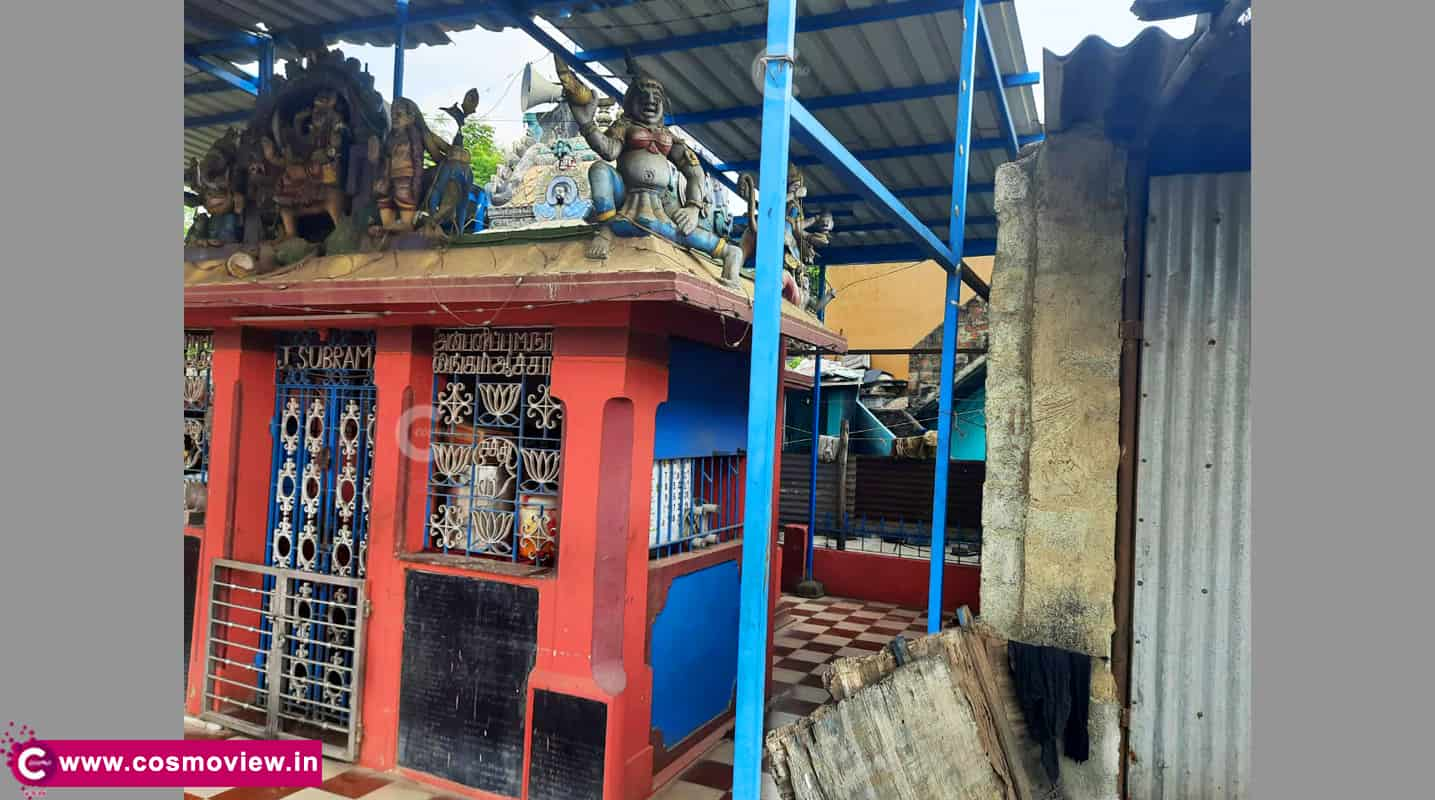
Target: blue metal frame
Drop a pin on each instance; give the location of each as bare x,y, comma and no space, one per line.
401,21
819,290
932,149
931,223
855,99
914,191
225,71
752,33
984,37
848,167
904,251
971,16
266,64
227,118
762,422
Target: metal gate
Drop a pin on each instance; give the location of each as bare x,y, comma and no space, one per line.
1191,616
296,625
298,631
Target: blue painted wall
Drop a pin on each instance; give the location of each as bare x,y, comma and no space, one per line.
969,429
694,651
706,411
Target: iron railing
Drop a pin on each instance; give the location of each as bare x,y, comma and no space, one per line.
695,503
903,538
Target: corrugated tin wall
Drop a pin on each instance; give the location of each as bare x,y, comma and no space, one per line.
1191,678
895,489
797,475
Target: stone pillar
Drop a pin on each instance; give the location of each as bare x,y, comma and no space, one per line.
1053,402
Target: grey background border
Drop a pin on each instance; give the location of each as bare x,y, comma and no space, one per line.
90,576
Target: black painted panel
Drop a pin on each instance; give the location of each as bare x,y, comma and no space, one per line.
191,585
468,648
569,741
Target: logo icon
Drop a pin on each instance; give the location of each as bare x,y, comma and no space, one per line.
759,78
30,761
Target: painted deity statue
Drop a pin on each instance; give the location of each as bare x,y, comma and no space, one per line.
801,237
398,187
449,203
637,196
217,184
310,163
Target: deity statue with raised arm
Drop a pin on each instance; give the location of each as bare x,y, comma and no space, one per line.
640,194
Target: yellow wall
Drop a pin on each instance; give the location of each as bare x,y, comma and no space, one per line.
892,305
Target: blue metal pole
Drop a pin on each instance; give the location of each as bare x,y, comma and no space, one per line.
266,64
971,10
401,24
816,433
752,663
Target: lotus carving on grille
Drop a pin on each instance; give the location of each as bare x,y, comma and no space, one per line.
196,390
452,461
492,530
193,442
500,400
541,466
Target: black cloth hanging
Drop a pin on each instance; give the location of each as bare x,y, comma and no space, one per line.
1053,687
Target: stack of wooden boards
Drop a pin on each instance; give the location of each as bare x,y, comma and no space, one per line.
944,726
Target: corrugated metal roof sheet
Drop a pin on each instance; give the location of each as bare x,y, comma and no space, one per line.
1191,663
1186,100
1112,88
212,20
874,56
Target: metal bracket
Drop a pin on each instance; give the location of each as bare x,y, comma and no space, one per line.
368,607
1131,330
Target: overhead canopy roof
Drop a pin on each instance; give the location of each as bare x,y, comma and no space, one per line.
881,76
222,30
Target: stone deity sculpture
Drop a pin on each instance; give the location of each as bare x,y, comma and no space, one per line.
399,160
217,181
310,179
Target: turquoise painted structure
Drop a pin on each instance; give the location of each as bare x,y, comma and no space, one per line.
969,428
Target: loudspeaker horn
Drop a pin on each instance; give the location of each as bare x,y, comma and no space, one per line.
538,90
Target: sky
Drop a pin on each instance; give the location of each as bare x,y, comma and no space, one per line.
492,62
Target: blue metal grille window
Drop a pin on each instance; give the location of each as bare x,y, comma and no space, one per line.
198,388
323,452
495,454
695,503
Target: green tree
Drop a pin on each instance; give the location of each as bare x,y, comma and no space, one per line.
484,155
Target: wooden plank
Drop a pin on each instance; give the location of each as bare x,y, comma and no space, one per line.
906,737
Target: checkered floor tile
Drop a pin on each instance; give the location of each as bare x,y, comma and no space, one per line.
810,634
